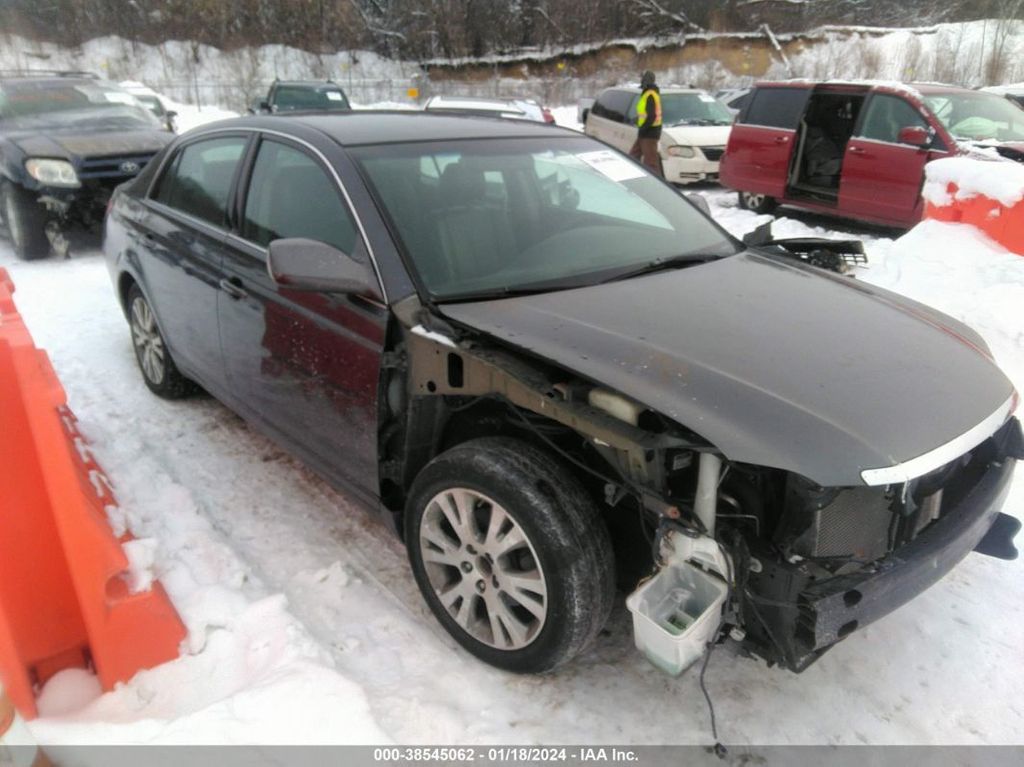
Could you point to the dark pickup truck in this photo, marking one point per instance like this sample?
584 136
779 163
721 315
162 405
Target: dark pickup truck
66 140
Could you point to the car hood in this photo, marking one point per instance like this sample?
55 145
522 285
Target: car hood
74 145
775 363
699 135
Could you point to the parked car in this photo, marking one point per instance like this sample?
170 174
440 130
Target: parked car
859 149
152 101
528 354
695 129
302 95
66 140
512 109
1014 93
734 98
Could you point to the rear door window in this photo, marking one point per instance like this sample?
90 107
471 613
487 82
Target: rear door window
198 180
291 195
613 105
886 115
776 107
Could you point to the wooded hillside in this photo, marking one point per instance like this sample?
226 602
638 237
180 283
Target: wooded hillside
430 29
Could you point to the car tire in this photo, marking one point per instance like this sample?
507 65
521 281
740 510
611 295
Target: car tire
151 353
24 221
510 553
758 203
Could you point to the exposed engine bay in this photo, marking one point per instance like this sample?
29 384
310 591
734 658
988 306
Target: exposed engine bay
784 565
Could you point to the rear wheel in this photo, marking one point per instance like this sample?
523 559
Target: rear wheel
510 554
158 369
758 203
25 222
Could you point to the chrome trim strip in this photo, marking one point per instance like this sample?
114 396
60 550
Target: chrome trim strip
763 127
940 456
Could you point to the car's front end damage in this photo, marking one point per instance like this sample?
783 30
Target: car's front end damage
792 524
838 559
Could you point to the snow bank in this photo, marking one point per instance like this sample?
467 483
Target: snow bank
1002 181
958 270
249 672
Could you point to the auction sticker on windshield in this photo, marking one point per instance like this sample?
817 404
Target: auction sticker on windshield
614 166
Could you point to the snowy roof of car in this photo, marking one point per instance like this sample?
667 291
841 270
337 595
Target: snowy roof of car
915 89
473 103
366 127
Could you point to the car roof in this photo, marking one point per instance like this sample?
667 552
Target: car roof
365 127
309 84
473 102
887 85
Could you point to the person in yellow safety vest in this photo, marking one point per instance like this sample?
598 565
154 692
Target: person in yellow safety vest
648 123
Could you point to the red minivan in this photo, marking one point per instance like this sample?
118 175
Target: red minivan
858 149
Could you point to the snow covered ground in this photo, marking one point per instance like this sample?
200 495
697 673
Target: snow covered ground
305 625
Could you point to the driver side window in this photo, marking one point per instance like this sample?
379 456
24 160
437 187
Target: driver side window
291 195
886 115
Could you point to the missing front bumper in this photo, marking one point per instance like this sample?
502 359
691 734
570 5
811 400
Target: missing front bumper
794 618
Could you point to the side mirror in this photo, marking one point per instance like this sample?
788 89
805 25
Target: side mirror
914 135
301 264
171 114
700 202
259 106
583 115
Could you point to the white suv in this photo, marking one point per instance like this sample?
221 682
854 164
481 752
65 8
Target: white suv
694 134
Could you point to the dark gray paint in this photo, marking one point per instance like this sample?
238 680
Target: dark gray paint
775 363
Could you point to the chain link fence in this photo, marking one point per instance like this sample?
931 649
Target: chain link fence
237 95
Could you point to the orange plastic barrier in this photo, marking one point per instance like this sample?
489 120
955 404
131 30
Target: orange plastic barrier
64 597
1004 225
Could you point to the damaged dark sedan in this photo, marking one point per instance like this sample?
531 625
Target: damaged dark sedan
66 140
557 378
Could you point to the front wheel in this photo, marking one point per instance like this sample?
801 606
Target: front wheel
758 203
25 222
510 554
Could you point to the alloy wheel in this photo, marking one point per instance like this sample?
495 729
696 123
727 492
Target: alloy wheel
483 569
149 346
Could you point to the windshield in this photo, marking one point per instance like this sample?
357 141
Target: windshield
693 109
74 103
152 103
289 98
978 116
508 215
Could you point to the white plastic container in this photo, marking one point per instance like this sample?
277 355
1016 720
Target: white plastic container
675 614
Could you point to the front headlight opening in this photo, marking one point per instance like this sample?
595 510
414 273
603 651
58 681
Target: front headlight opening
52 172
679 150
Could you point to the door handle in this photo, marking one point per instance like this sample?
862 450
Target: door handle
781 139
233 287
857 150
